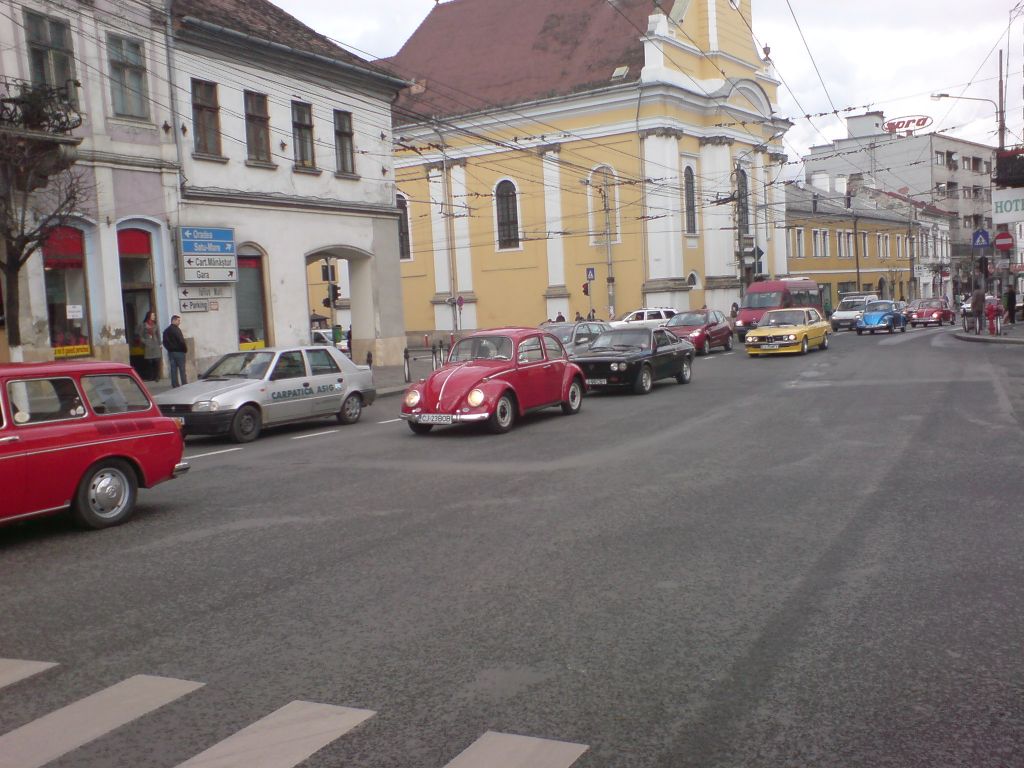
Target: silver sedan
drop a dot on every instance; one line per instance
(245, 391)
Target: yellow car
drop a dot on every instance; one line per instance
(783, 331)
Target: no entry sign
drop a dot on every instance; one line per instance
(1003, 241)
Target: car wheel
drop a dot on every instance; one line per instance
(892, 327)
(824, 342)
(504, 415)
(913, 325)
(574, 401)
(685, 372)
(245, 427)
(705, 348)
(860, 332)
(803, 346)
(419, 429)
(728, 343)
(644, 381)
(940, 322)
(351, 409)
(106, 494)
(903, 328)
(834, 327)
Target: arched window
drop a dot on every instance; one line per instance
(508, 214)
(404, 249)
(692, 280)
(742, 200)
(690, 199)
(604, 205)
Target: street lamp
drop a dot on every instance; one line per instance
(999, 111)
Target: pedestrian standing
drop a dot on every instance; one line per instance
(1011, 304)
(579, 317)
(592, 315)
(560, 318)
(149, 334)
(978, 308)
(174, 343)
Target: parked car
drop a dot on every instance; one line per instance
(647, 317)
(243, 392)
(576, 336)
(636, 358)
(849, 311)
(881, 316)
(325, 337)
(785, 331)
(927, 311)
(493, 377)
(704, 328)
(84, 436)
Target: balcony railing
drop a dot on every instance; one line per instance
(38, 108)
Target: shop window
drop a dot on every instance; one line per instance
(250, 302)
(135, 252)
(67, 292)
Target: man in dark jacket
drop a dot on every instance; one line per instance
(174, 343)
(1011, 303)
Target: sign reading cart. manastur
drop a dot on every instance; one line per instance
(207, 255)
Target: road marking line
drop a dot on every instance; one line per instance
(506, 750)
(15, 670)
(45, 739)
(283, 738)
(315, 434)
(389, 421)
(212, 453)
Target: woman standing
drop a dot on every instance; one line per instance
(149, 332)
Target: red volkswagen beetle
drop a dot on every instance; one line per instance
(83, 435)
(493, 377)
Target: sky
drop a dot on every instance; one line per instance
(887, 55)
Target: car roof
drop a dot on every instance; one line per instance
(515, 331)
(65, 367)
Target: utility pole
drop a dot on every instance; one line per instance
(856, 248)
(449, 230)
(608, 245)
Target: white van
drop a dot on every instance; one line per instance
(850, 310)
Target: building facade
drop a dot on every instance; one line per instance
(615, 158)
(229, 146)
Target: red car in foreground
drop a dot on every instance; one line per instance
(927, 311)
(83, 435)
(493, 377)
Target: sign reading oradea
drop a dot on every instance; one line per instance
(1007, 206)
(207, 255)
(909, 123)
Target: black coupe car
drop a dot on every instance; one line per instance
(636, 358)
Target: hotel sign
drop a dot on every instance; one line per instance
(1007, 206)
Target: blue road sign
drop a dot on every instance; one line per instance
(980, 238)
(591, 273)
(218, 247)
(206, 234)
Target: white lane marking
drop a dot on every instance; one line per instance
(212, 453)
(315, 434)
(283, 738)
(50, 736)
(506, 750)
(389, 421)
(15, 670)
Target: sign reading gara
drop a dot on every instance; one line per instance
(909, 123)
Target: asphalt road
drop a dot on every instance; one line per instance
(804, 561)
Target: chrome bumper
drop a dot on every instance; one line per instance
(457, 418)
(181, 468)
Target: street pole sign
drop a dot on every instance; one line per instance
(207, 255)
(980, 238)
(1003, 241)
(591, 274)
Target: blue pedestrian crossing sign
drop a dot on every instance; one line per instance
(980, 238)
(591, 273)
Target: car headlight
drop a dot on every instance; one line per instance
(749, 340)
(695, 334)
(205, 405)
(739, 323)
(412, 398)
(613, 366)
(935, 314)
(792, 337)
(475, 397)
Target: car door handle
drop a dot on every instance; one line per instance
(11, 439)
(548, 365)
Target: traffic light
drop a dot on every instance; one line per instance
(586, 289)
(335, 293)
(326, 302)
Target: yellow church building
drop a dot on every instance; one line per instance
(557, 158)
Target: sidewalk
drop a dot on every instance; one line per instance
(1013, 333)
(389, 379)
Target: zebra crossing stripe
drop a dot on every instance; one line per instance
(37, 743)
(15, 670)
(283, 738)
(506, 750)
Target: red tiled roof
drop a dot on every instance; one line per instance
(264, 20)
(475, 54)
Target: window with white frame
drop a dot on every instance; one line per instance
(205, 118)
(798, 243)
(257, 127)
(840, 245)
(940, 158)
(825, 242)
(51, 60)
(863, 245)
(885, 247)
(849, 244)
(344, 142)
(302, 135)
(127, 77)
(507, 213)
(899, 246)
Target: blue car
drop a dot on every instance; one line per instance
(881, 316)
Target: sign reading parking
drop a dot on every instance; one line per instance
(980, 238)
(207, 255)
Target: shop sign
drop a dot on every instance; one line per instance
(75, 350)
(910, 123)
(74, 312)
(1007, 206)
(207, 255)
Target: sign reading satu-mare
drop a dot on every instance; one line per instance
(207, 255)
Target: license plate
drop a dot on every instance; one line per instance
(596, 382)
(179, 421)
(435, 418)
(769, 346)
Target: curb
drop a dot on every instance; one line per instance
(986, 339)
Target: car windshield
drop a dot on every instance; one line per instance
(242, 365)
(481, 348)
(930, 305)
(687, 318)
(625, 338)
(878, 306)
(848, 305)
(563, 331)
(783, 317)
(760, 300)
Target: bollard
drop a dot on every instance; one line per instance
(426, 340)
(369, 359)
(407, 370)
(451, 340)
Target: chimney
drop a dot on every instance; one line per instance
(820, 180)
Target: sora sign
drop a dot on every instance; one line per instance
(909, 123)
